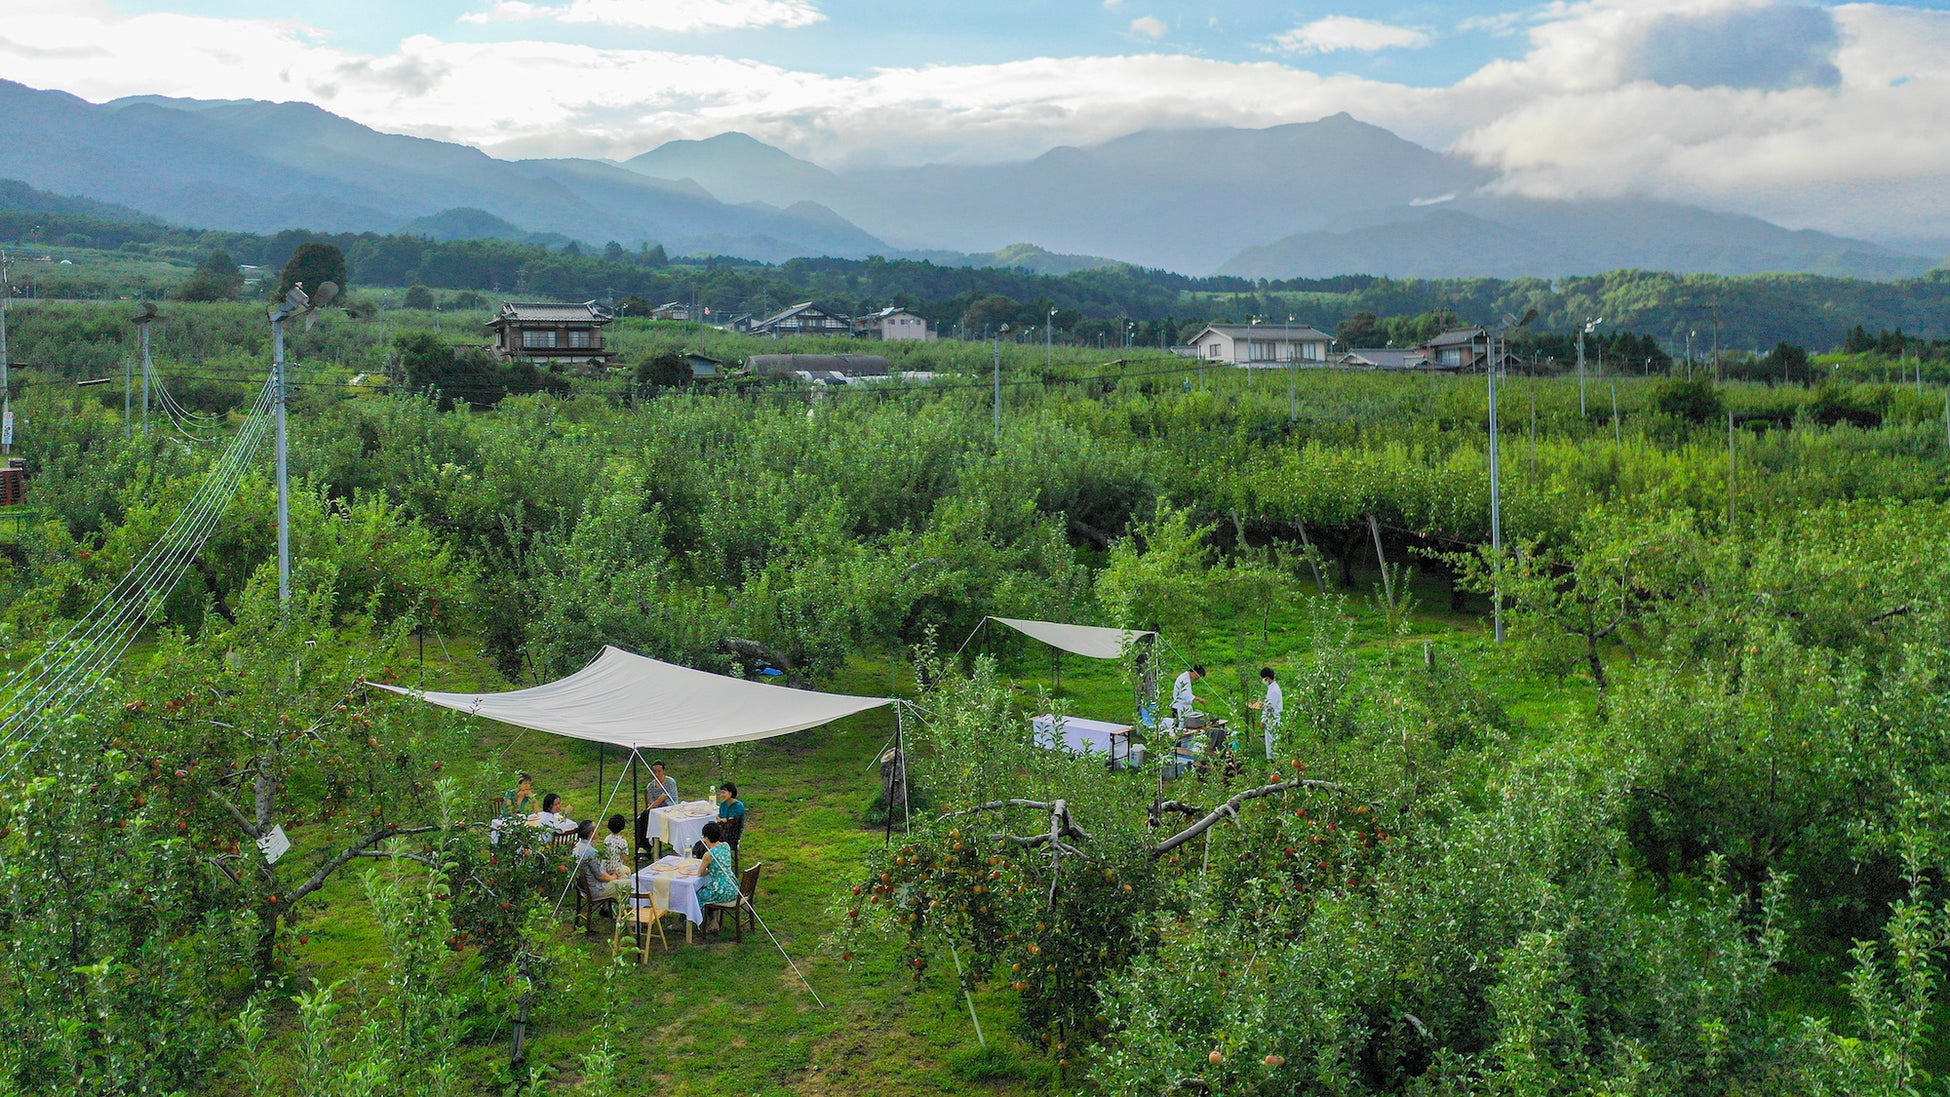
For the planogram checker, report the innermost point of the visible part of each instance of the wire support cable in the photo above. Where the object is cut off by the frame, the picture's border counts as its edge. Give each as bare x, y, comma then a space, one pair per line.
62, 673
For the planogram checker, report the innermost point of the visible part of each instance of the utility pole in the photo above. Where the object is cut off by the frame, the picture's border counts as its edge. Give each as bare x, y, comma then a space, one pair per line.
128, 389
143, 324
1293, 376
1496, 469
1617, 432
6, 383
1587, 329
284, 475
1049, 340
998, 383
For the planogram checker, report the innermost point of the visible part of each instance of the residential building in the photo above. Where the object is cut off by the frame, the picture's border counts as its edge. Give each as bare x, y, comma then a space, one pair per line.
1464, 350
672, 310
805, 318
1263, 344
892, 324
551, 332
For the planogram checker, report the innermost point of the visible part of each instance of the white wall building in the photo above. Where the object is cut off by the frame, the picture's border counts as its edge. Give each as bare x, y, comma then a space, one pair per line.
1263, 344
892, 324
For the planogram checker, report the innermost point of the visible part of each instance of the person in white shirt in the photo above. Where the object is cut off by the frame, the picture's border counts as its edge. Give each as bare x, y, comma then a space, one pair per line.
554, 815
1183, 703
1270, 709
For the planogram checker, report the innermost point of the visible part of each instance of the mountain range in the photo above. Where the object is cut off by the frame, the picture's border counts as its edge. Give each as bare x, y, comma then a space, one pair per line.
1308, 199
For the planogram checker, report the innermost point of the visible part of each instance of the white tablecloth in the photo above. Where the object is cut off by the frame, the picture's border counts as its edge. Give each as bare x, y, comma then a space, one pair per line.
1083, 736
674, 886
682, 826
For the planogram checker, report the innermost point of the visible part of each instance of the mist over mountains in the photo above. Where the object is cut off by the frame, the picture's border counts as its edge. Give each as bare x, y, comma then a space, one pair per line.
1308, 199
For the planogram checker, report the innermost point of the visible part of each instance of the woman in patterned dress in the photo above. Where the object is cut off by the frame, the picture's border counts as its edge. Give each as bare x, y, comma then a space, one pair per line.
719, 884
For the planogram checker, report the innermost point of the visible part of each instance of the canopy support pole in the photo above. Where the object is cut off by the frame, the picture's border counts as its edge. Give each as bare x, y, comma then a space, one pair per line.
599, 814
900, 759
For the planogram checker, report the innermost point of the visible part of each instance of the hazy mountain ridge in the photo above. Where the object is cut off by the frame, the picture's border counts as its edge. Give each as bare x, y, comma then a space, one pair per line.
1299, 200
262, 167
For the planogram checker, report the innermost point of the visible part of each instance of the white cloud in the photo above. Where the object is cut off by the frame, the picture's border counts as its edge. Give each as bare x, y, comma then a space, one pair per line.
1850, 145
1580, 112
1113, 5
663, 15
1149, 27
1338, 33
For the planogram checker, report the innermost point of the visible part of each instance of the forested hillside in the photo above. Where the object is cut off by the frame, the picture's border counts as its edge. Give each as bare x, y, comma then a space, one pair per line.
1747, 314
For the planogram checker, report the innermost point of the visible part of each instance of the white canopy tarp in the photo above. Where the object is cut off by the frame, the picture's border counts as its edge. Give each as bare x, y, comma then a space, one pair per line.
635, 701
1086, 640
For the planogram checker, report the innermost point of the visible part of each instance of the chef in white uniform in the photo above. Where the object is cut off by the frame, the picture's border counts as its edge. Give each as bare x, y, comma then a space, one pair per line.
1270, 709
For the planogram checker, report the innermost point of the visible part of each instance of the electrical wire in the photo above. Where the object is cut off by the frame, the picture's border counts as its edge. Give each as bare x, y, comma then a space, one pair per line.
112, 624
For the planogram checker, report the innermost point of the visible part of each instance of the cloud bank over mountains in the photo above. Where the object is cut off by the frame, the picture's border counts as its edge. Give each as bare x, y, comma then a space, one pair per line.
1813, 116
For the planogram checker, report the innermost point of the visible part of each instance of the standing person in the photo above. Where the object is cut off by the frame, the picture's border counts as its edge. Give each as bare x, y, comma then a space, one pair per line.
1183, 704
1270, 709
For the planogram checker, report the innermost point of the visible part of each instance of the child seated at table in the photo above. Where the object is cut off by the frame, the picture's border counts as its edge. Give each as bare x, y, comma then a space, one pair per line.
616, 848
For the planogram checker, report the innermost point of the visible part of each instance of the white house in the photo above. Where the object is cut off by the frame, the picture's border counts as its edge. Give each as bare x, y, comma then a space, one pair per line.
891, 324
1262, 344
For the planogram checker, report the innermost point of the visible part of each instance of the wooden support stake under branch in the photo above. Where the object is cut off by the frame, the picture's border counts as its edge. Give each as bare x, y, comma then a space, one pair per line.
1313, 557
1387, 582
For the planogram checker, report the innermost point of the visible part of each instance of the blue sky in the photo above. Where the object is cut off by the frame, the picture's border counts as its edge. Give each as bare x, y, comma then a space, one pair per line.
1810, 114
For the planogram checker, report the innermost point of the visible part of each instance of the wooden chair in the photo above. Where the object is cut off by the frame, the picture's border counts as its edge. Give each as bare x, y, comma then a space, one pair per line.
562, 840
747, 891
734, 829
646, 919
588, 906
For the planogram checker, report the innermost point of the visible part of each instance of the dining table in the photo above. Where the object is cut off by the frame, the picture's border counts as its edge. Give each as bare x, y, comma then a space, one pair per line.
681, 826
669, 884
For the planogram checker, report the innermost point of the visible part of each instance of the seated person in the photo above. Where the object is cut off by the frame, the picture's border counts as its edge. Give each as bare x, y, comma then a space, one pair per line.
554, 815
616, 848
729, 805
597, 880
719, 883
663, 794
521, 799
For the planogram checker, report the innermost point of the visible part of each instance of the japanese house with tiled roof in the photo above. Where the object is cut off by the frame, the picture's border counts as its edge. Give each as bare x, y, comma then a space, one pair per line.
551, 332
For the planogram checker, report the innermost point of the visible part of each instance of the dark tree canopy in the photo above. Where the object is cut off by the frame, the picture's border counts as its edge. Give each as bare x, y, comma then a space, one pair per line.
217, 278
313, 264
